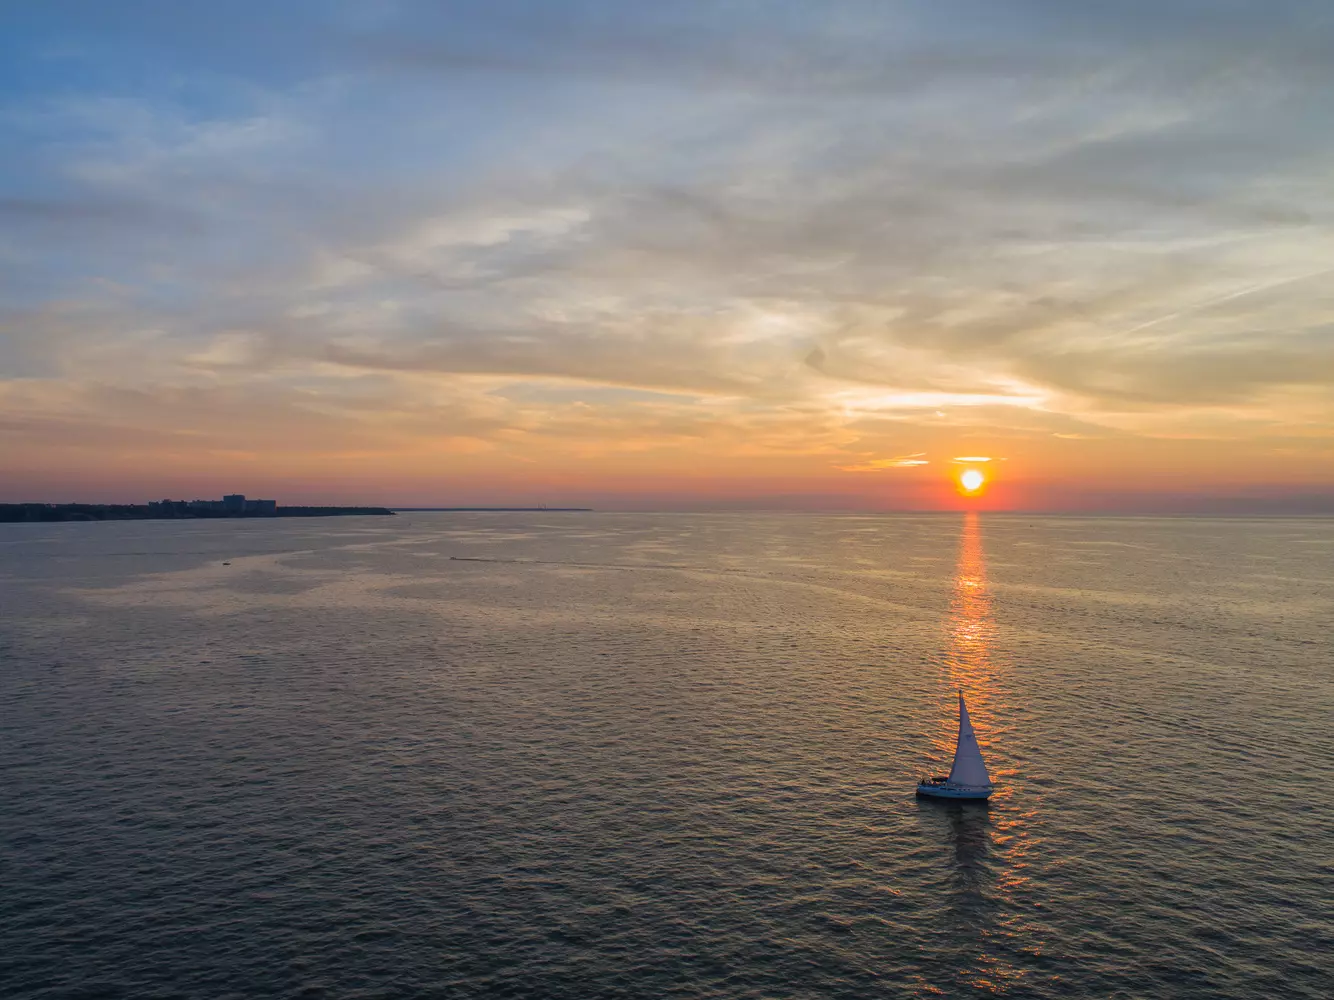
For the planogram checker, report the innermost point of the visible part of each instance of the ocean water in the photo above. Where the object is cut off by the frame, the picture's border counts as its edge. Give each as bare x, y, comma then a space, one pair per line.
630, 755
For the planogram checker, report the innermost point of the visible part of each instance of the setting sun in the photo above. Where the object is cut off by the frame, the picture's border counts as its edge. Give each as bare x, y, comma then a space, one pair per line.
971, 480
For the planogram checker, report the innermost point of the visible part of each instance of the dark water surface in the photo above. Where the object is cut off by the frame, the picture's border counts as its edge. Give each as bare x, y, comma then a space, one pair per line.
597, 755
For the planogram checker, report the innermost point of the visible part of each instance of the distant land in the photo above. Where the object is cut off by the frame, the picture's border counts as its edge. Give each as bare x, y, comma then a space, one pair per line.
484, 510
170, 510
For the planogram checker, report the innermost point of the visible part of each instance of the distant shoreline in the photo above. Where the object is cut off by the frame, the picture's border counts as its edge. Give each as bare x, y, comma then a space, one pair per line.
46, 513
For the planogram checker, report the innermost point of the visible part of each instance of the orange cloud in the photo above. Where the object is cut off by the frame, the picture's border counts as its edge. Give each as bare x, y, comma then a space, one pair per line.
881, 464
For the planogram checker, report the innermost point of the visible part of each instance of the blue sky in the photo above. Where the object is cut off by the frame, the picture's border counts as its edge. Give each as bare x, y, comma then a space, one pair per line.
753, 248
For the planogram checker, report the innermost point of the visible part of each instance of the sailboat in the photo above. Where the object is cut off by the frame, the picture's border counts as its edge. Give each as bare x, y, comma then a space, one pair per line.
968, 778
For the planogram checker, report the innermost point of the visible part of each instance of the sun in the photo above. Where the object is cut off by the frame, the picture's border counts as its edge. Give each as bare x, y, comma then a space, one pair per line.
972, 480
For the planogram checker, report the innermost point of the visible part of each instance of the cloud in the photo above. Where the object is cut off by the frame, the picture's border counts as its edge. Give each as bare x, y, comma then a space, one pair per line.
881, 464
797, 232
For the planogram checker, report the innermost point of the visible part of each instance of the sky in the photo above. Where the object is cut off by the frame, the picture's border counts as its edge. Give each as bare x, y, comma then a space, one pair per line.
713, 255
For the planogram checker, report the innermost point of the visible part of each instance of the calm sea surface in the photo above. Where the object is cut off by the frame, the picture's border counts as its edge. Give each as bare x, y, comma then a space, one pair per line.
625, 755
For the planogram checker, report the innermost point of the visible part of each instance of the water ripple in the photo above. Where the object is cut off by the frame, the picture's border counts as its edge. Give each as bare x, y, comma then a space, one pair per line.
655, 755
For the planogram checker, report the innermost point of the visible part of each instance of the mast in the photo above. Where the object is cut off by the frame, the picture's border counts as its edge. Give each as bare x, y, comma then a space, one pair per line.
969, 767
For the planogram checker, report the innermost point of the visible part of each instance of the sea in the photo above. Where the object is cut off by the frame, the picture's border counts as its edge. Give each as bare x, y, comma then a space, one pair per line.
596, 755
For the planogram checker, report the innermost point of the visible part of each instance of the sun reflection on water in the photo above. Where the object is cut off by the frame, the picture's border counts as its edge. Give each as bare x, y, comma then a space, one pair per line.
992, 843
971, 633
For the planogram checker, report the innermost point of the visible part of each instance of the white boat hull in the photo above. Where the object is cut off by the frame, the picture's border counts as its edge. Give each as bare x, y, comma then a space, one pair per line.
945, 790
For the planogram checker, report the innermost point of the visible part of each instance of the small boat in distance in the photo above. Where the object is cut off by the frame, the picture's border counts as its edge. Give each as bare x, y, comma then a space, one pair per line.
968, 778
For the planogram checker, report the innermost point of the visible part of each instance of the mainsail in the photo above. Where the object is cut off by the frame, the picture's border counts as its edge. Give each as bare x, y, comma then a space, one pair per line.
969, 768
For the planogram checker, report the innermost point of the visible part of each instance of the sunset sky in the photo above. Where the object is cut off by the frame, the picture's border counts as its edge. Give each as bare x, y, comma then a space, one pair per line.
677, 255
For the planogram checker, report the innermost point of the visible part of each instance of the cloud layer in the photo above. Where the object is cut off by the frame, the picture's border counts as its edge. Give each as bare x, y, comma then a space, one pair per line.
514, 249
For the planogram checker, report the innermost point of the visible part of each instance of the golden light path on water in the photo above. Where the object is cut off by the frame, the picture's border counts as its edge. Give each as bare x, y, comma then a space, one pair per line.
993, 842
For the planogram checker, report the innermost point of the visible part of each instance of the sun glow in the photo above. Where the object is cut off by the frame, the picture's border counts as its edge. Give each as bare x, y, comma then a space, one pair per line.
971, 480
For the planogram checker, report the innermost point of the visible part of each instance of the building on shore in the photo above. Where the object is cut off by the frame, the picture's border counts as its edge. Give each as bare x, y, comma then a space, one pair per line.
231, 505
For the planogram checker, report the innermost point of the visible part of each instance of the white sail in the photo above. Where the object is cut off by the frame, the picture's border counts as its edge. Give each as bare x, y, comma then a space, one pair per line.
969, 768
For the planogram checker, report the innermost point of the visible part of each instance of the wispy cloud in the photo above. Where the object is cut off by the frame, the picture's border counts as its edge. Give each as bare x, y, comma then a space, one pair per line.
881, 464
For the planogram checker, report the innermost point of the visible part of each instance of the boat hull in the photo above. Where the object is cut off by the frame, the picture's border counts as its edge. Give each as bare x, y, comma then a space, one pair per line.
945, 791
